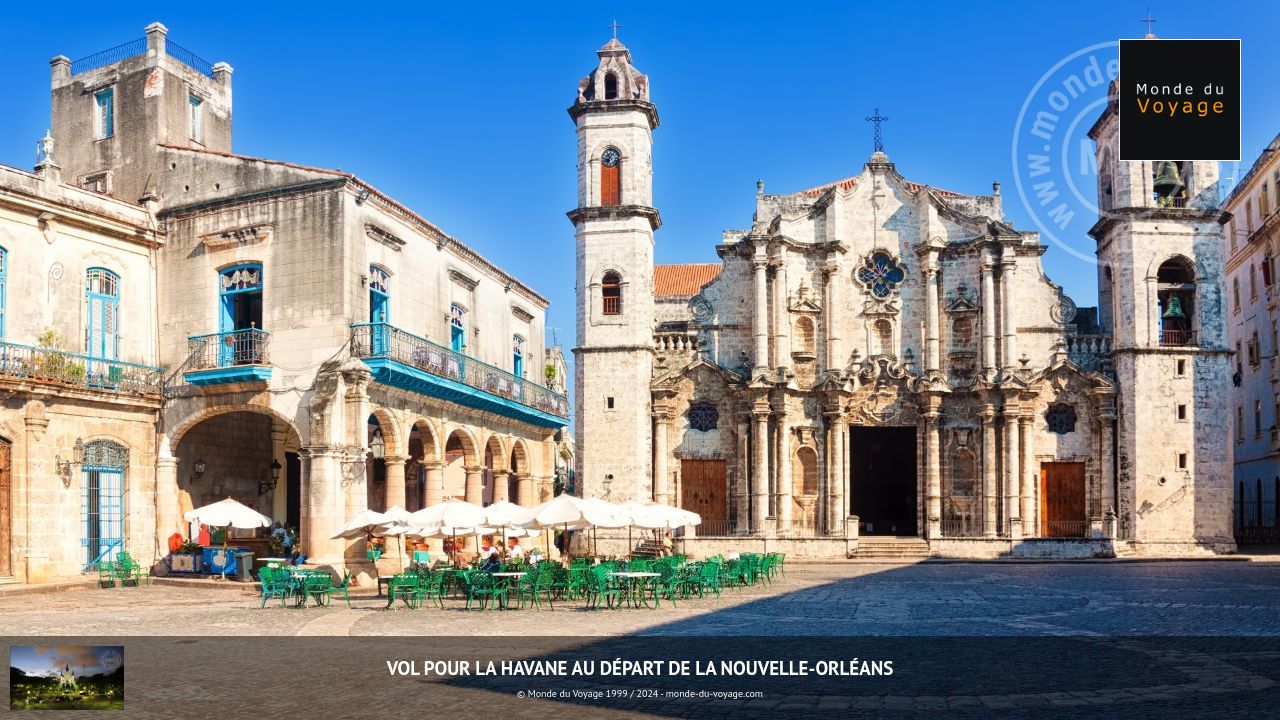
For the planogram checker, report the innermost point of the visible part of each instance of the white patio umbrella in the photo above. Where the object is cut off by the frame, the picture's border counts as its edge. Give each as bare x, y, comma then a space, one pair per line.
361, 524
227, 513
504, 515
450, 513
396, 530
570, 511
657, 516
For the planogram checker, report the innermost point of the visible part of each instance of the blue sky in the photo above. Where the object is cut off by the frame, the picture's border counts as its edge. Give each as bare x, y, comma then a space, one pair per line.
459, 112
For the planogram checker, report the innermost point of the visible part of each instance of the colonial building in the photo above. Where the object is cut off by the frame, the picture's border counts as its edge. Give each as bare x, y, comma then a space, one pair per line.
81, 390
1253, 242
326, 348
875, 357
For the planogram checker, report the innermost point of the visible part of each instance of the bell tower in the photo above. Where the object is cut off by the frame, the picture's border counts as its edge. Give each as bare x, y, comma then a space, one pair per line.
1161, 285
614, 223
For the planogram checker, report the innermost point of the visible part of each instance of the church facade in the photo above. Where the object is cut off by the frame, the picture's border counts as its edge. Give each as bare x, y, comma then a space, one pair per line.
877, 360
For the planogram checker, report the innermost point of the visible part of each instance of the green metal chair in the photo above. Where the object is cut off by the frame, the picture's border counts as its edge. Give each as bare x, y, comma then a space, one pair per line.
274, 584
319, 587
484, 589
601, 587
407, 586
106, 574
433, 587
666, 585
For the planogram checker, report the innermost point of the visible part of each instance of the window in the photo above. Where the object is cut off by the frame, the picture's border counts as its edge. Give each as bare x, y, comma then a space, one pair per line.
1235, 293
1182, 461
102, 328
1176, 295
1253, 283
1266, 270
1239, 424
1264, 206
102, 501
96, 182
1257, 417
103, 114
611, 293
881, 274
1231, 232
883, 330
1248, 217
379, 309
458, 328
610, 177
610, 86
608, 402
1255, 356
1182, 368
195, 106
240, 319
703, 417
804, 336
1182, 411
517, 356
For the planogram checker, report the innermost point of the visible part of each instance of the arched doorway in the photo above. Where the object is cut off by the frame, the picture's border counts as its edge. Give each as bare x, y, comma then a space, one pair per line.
102, 509
376, 465
423, 457
495, 471
460, 458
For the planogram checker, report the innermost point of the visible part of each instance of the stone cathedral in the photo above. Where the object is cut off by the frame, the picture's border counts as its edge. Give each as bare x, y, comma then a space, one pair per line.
877, 363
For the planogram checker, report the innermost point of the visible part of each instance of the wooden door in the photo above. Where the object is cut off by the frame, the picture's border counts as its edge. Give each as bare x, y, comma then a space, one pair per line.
1062, 500
704, 489
6, 511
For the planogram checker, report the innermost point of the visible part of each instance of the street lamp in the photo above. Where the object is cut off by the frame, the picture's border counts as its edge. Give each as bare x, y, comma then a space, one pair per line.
66, 468
378, 445
264, 487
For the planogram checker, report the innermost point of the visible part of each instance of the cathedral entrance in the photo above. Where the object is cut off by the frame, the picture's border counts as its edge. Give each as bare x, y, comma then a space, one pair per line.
882, 479
1062, 500
704, 489
6, 532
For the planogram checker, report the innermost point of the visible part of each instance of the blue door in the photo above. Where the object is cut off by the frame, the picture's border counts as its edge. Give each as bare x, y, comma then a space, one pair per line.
379, 309
102, 502
102, 324
240, 319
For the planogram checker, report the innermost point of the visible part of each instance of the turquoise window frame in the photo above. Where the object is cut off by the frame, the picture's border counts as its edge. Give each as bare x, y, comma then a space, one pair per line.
102, 323
105, 104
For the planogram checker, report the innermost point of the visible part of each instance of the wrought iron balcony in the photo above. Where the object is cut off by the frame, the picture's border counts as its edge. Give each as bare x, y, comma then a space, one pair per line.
231, 356
415, 363
137, 48
62, 368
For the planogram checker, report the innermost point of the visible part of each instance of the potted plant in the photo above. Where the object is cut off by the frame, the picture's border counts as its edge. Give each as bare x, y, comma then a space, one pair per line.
187, 558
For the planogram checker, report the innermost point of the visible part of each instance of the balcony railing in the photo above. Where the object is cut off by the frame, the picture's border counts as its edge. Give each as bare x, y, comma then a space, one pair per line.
1066, 528
1177, 337
229, 349
136, 48
612, 305
381, 340
63, 368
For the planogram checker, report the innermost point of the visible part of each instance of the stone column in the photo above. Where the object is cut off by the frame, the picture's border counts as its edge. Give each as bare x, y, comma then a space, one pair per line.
1008, 266
280, 494
525, 491
501, 485
434, 490
168, 518
474, 488
782, 481
394, 486
661, 476
742, 481
1029, 480
781, 313
990, 499
323, 505
932, 357
1106, 467
1013, 488
837, 510
24, 501
760, 319
989, 363
933, 470
830, 304
759, 470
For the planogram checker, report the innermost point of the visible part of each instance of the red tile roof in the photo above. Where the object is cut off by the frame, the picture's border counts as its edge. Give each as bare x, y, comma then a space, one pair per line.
850, 183
683, 280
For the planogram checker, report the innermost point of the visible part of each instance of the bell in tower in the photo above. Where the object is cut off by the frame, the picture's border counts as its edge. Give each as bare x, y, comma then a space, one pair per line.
1167, 182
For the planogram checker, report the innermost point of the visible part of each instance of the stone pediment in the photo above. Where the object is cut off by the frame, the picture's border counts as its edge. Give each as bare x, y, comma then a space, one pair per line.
699, 371
962, 301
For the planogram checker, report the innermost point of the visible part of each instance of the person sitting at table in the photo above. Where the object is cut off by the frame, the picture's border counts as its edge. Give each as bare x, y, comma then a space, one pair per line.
515, 553
490, 563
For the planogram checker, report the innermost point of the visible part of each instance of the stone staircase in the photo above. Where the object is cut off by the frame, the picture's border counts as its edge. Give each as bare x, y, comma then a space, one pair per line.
889, 548
9, 580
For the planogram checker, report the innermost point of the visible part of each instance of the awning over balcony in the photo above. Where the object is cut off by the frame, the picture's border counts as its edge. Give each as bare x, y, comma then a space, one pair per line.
404, 360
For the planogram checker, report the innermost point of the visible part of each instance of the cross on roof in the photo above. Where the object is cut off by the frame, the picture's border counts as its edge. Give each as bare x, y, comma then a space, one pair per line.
877, 119
614, 26
1148, 20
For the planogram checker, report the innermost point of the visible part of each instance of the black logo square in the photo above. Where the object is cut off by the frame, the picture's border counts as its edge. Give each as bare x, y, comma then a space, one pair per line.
1179, 99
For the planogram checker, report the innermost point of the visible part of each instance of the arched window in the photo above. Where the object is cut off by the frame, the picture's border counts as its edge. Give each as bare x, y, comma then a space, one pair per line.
611, 293
1176, 291
610, 86
610, 177
804, 336
102, 501
458, 328
883, 331
517, 356
102, 326
379, 309
805, 481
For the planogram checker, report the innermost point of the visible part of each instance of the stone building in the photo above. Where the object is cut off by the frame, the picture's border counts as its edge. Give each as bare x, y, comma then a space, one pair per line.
326, 348
1252, 244
78, 374
878, 365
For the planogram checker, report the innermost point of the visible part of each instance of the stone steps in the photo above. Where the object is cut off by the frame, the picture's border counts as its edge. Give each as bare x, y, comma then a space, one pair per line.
8, 580
892, 548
